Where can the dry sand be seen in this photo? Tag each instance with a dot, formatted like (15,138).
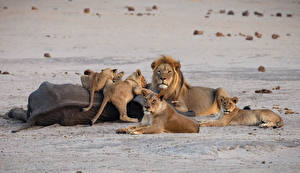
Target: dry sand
(109,36)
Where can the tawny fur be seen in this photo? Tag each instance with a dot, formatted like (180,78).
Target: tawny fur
(165,119)
(232,115)
(168,79)
(120,93)
(97,82)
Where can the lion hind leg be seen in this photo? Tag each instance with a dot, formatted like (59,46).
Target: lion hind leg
(92,93)
(123,114)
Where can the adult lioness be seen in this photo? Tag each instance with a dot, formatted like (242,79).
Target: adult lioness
(165,119)
(121,93)
(168,79)
(232,115)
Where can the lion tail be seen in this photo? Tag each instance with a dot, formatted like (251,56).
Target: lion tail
(279,123)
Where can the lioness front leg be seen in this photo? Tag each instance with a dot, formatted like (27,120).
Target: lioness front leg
(147,130)
(180,106)
(214,123)
(129,129)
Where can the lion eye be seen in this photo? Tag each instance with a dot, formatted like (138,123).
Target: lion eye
(169,71)
(153,102)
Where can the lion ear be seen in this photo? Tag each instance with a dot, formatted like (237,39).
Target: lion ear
(153,65)
(115,70)
(177,65)
(88,72)
(235,99)
(138,72)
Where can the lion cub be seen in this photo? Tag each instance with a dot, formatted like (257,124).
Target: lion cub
(165,118)
(120,93)
(232,115)
(96,82)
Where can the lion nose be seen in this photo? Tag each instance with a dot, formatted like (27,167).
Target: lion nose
(163,78)
(147,107)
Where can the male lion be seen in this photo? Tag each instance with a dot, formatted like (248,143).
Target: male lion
(168,79)
(120,93)
(232,115)
(165,119)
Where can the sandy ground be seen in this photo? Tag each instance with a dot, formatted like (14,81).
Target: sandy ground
(110,37)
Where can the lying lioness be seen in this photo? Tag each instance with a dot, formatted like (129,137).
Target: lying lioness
(97,82)
(232,115)
(120,93)
(165,119)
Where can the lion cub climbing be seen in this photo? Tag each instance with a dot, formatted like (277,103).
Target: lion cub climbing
(232,115)
(165,118)
(120,93)
(97,81)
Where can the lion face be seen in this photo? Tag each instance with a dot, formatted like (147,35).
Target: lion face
(165,71)
(153,103)
(228,104)
(138,78)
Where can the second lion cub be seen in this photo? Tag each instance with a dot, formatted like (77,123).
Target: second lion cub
(232,115)
(120,93)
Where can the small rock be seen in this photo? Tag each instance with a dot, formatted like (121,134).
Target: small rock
(288,34)
(77,73)
(278,14)
(5,73)
(263,162)
(98,14)
(261,69)
(5,8)
(245,13)
(258,35)
(230,12)
(206,16)
(241,34)
(219,34)
(139,14)
(34,8)
(276,88)
(289,15)
(244,91)
(78,171)
(66,72)
(86,10)
(130,8)
(198,32)
(249,37)
(275,36)
(222,11)
(263,91)
(258,14)
(47,55)
(154,7)
(148,9)
(229,35)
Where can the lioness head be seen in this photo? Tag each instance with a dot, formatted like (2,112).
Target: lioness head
(228,104)
(152,102)
(166,72)
(138,78)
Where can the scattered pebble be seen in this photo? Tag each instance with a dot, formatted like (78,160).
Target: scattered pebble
(139,14)
(278,14)
(249,37)
(98,14)
(48,36)
(78,171)
(229,35)
(288,34)
(148,9)
(258,35)
(47,55)
(261,69)
(219,34)
(5,8)
(4,73)
(289,111)
(130,8)
(244,91)
(275,36)
(263,91)
(198,32)
(245,13)
(241,34)
(77,73)
(222,11)
(230,12)
(206,16)
(66,72)
(276,88)
(154,7)
(86,10)
(34,8)
(258,14)
(263,162)
(289,15)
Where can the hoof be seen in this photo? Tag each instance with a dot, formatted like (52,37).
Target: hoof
(91,123)
(83,110)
